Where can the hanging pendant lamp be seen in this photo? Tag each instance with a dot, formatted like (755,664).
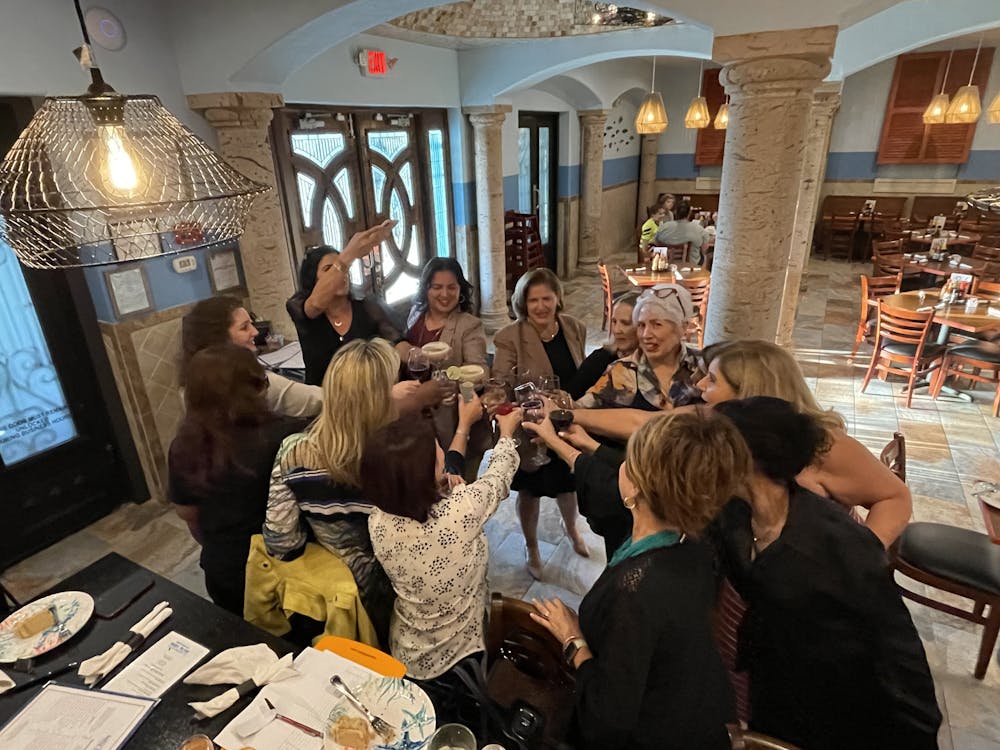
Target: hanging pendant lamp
(652,115)
(936,110)
(697,115)
(722,116)
(965,107)
(107,178)
(994,110)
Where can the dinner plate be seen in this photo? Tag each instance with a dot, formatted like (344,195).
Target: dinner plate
(74,609)
(399,702)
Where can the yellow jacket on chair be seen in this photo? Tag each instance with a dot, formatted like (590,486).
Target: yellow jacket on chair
(317,584)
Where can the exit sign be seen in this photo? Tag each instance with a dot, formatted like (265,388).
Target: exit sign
(373,62)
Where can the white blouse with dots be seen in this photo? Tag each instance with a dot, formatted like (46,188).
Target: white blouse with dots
(438,569)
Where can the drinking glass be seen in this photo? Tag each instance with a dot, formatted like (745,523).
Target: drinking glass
(452,737)
(562,415)
(447,386)
(519,375)
(534,411)
(548,384)
(494,393)
(418,365)
(526,392)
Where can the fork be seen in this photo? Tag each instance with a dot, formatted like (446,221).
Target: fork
(379,724)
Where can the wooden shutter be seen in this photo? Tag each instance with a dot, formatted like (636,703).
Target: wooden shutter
(711,145)
(905,137)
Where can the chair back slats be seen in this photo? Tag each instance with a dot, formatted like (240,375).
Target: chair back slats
(602,269)
(985,252)
(894,455)
(678,253)
(903,326)
(699,289)
(986,287)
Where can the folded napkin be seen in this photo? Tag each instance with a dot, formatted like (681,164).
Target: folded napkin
(5,683)
(247,667)
(96,668)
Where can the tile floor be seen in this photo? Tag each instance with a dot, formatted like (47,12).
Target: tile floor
(949,446)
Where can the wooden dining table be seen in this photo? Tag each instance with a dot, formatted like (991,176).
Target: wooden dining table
(954,238)
(944,268)
(949,316)
(645,277)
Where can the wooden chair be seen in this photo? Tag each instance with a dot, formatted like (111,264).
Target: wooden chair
(986,288)
(699,289)
(968,360)
(894,455)
(839,237)
(901,346)
(728,617)
(609,302)
(677,253)
(985,252)
(744,739)
(873,287)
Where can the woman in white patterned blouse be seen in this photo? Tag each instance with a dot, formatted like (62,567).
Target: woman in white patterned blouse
(432,546)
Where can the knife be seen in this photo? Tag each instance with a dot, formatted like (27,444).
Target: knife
(302,727)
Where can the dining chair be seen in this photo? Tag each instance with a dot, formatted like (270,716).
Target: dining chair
(841,230)
(873,287)
(699,289)
(744,739)
(901,346)
(730,608)
(678,253)
(985,252)
(982,285)
(894,455)
(967,361)
(602,269)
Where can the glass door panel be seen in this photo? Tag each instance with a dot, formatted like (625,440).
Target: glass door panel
(536,178)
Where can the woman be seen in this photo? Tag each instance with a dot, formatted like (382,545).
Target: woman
(648,673)
(833,657)
(543,341)
(667,202)
(432,545)
(622,341)
(661,374)
(316,482)
(220,462)
(443,311)
(844,469)
(327,317)
(219,320)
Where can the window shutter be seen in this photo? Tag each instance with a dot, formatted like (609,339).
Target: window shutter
(711,144)
(905,137)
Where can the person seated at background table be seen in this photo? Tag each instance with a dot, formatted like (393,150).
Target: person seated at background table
(844,469)
(325,315)
(543,341)
(622,342)
(682,230)
(833,657)
(661,373)
(648,672)
(667,201)
(220,320)
(443,311)
(429,537)
(655,215)
(220,462)
(316,480)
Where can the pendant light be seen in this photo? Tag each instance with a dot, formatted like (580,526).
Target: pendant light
(935,112)
(697,115)
(722,116)
(652,115)
(107,178)
(994,110)
(965,107)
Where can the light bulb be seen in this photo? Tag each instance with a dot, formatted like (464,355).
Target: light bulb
(722,117)
(120,171)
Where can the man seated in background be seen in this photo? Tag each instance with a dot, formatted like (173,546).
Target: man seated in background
(682,230)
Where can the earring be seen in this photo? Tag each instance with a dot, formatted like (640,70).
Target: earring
(461,299)
(626,500)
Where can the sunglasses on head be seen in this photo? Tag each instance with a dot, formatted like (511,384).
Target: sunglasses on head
(666,294)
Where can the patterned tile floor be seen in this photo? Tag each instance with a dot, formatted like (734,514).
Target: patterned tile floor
(949,446)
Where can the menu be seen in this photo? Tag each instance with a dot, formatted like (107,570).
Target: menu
(162,664)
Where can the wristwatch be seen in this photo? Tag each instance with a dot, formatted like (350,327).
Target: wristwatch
(571,649)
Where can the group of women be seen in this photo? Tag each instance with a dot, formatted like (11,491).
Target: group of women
(752,489)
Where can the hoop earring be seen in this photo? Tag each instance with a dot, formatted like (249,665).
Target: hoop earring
(461,299)
(625,502)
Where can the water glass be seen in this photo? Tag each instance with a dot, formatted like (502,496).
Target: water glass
(448,386)
(452,737)
(548,384)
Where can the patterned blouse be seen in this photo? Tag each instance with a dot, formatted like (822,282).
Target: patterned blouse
(438,569)
(631,382)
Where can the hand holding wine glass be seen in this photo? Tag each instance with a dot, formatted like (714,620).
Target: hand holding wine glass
(509,422)
(418,365)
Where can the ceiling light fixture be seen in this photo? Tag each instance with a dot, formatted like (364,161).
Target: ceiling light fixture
(108,178)
(936,110)
(652,115)
(965,108)
(697,115)
(722,116)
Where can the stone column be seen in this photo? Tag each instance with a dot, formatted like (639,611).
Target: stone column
(649,146)
(826,101)
(591,186)
(486,124)
(770,78)
(242,121)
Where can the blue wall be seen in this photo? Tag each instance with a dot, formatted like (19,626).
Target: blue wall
(860,165)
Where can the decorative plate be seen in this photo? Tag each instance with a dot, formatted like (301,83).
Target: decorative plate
(74,609)
(399,702)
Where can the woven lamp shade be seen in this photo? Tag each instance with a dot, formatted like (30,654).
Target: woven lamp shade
(697,115)
(652,115)
(936,110)
(994,110)
(721,121)
(106,178)
(965,107)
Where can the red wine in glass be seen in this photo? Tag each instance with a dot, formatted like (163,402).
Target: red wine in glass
(421,372)
(534,410)
(561,419)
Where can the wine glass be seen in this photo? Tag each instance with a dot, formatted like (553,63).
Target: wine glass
(534,411)
(519,375)
(562,415)
(494,393)
(418,365)
(548,384)
(447,386)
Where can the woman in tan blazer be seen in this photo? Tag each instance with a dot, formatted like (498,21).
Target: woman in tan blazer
(543,341)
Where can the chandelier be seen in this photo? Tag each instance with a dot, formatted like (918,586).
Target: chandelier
(107,178)
(609,14)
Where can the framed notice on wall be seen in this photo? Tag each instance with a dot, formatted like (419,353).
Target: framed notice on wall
(223,271)
(129,291)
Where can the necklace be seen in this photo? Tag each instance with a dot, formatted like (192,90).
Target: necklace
(551,336)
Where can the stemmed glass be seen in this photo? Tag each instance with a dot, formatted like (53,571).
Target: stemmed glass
(562,415)
(418,365)
(530,400)
(548,384)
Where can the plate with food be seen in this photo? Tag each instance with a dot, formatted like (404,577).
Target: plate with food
(404,715)
(43,624)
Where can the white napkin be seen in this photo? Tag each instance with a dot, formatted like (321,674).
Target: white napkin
(5,683)
(247,667)
(97,667)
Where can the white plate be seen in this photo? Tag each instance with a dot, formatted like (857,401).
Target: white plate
(74,609)
(401,703)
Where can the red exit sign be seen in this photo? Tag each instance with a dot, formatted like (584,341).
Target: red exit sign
(373,62)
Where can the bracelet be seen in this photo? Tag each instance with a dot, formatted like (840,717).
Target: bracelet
(570,639)
(461,432)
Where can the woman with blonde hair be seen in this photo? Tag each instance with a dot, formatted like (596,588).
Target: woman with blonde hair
(648,674)
(844,470)
(316,478)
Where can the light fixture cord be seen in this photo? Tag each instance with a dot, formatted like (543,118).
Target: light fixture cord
(975,60)
(947,68)
(97,83)
(701,71)
(652,84)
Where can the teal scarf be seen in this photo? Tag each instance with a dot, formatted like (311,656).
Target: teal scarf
(653,541)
